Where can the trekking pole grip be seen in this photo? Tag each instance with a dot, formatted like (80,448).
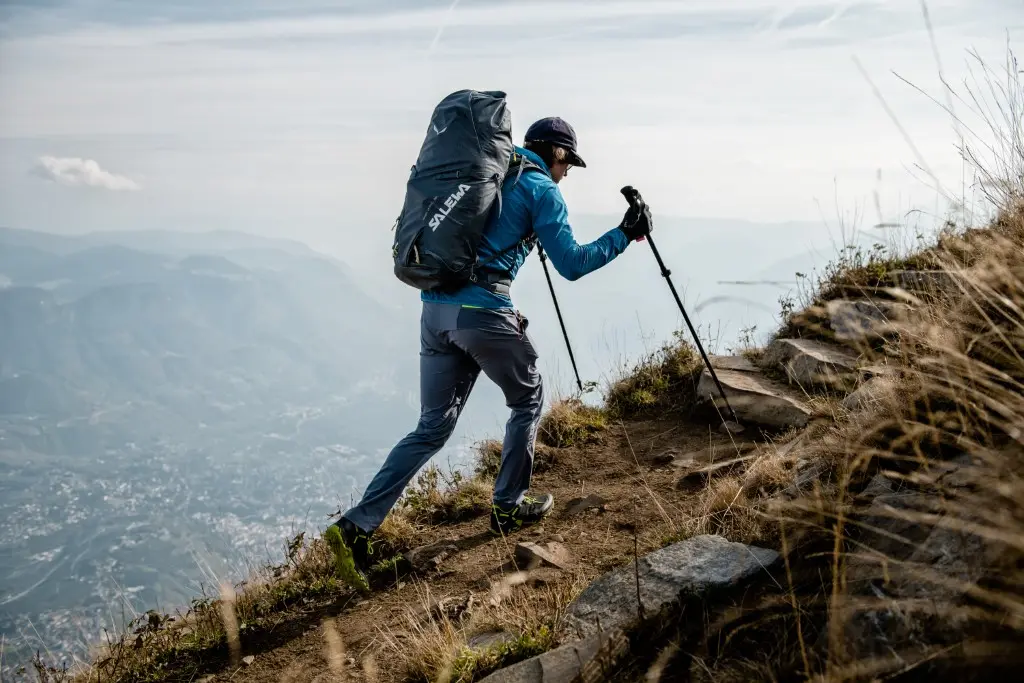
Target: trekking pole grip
(632,196)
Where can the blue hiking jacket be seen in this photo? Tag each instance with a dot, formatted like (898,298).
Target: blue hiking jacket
(533,204)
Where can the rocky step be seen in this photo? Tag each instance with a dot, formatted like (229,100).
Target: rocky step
(755,398)
(644,592)
(811,364)
(865,320)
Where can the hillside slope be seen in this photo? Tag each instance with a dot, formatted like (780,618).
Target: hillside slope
(882,461)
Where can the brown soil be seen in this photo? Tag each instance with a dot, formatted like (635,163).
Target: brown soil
(630,468)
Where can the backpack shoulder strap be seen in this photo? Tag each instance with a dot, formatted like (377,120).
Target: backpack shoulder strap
(519,164)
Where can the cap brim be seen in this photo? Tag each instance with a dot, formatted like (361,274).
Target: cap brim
(575,159)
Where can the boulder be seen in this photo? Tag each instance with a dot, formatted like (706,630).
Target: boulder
(552,554)
(865,319)
(755,398)
(692,569)
(584,661)
(810,363)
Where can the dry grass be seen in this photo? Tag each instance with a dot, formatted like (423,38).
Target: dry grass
(395,535)
(180,646)
(939,564)
(905,559)
(918,536)
(435,646)
(570,422)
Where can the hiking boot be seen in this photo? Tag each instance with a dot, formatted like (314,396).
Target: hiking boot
(530,511)
(352,549)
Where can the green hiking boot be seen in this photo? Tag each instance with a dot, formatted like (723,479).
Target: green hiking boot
(530,511)
(352,549)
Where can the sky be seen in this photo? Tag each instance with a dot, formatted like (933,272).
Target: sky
(301,119)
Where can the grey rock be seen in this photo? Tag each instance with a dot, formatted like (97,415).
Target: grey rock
(755,398)
(869,393)
(487,639)
(430,557)
(578,505)
(807,472)
(553,554)
(248,660)
(737,363)
(937,573)
(693,568)
(879,485)
(584,661)
(810,363)
(866,319)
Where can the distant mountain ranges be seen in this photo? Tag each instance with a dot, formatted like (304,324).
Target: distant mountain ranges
(114,337)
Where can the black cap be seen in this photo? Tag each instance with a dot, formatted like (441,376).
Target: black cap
(558,132)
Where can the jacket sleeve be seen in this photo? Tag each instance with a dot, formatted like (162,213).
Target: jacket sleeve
(570,259)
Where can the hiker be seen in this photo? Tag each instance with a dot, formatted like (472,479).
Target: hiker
(476,327)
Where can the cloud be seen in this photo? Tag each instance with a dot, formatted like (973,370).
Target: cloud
(74,171)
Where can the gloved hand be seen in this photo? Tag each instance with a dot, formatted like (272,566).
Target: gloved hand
(637,221)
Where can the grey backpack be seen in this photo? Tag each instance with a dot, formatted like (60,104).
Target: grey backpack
(454,191)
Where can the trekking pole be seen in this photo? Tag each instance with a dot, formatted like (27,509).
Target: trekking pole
(551,286)
(636,201)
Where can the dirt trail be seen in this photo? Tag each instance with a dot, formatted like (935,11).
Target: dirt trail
(631,468)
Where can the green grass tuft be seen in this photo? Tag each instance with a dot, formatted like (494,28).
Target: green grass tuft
(666,380)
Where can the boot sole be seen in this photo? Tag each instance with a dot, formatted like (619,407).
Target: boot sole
(344,563)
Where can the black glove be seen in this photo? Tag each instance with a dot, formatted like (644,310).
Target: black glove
(637,221)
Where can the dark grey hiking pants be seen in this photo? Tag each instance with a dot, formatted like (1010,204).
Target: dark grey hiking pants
(455,345)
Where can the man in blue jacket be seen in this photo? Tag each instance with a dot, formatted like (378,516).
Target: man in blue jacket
(478,328)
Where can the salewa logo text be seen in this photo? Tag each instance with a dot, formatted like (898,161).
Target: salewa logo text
(449,204)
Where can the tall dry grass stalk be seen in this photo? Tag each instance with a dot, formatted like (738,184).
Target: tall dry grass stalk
(230,621)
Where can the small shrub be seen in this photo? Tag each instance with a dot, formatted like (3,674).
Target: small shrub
(488,458)
(665,380)
(569,423)
(472,665)
(436,499)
